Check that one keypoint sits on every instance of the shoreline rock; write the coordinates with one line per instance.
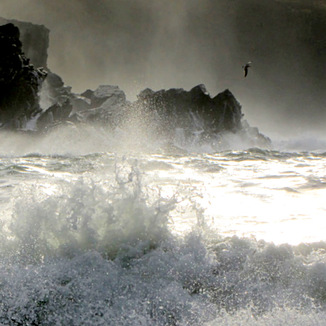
(20, 82)
(166, 113)
(35, 41)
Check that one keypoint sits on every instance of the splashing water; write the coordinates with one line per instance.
(97, 238)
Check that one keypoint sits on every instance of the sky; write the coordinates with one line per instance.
(158, 44)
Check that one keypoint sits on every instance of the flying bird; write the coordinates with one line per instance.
(246, 67)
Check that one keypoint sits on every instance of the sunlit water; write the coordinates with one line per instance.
(111, 238)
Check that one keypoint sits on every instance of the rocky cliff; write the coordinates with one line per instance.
(23, 87)
(34, 39)
(20, 81)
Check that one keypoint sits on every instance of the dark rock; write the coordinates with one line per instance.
(11, 53)
(170, 113)
(194, 116)
(19, 81)
(166, 114)
(145, 95)
(57, 113)
(34, 39)
(80, 103)
(88, 94)
(194, 109)
(230, 115)
(54, 81)
(105, 93)
(107, 105)
(55, 91)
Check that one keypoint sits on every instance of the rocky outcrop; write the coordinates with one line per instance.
(165, 114)
(19, 81)
(196, 117)
(194, 109)
(170, 113)
(107, 105)
(105, 94)
(34, 39)
(57, 113)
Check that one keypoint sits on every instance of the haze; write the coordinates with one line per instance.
(162, 44)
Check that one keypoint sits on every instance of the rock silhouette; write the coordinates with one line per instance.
(168, 112)
(19, 81)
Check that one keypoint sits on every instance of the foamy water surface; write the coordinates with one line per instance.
(107, 237)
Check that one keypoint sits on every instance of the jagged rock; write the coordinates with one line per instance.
(107, 103)
(80, 104)
(194, 116)
(230, 115)
(107, 93)
(35, 41)
(253, 134)
(58, 103)
(87, 94)
(55, 90)
(193, 110)
(167, 114)
(54, 81)
(57, 113)
(19, 81)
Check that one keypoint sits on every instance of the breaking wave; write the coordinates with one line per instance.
(98, 250)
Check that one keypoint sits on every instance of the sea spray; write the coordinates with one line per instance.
(179, 282)
(85, 215)
(89, 240)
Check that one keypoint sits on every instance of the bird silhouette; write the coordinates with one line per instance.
(246, 67)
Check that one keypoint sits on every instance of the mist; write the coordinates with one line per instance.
(164, 44)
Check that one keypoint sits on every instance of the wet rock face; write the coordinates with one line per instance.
(194, 109)
(107, 95)
(34, 39)
(168, 114)
(56, 114)
(11, 53)
(19, 81)
(165, 114)
(107, 105)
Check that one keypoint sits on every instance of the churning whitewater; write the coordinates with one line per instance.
(165, 207)
(93, 234)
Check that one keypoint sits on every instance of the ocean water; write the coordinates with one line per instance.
(103, 230)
